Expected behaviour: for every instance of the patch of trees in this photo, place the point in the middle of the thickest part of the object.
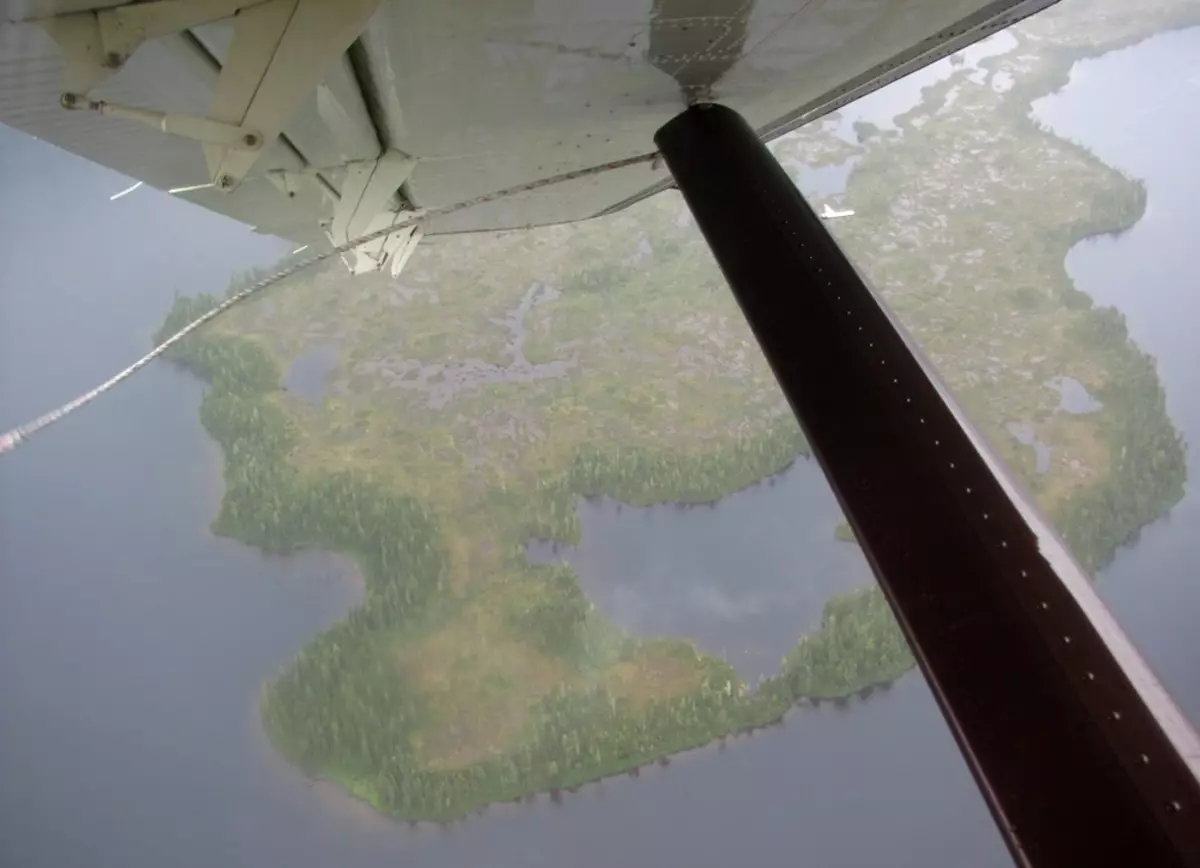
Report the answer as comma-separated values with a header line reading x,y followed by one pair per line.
x,y
1027,297
1115,209
343,709
553,620
1148,460
596,278
641,477
864,131
859,645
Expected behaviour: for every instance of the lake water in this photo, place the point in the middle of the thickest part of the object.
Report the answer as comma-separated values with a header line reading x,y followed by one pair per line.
x,y
1150,273
133,642
743,577
884,106
308,374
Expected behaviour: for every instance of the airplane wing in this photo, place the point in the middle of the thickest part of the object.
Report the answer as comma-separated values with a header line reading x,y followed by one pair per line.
x,y
321,120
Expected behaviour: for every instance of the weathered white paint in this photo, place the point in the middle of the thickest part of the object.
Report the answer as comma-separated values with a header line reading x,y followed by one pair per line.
x,y
481,94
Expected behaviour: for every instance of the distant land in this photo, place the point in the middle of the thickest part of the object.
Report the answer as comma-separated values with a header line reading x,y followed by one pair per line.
x,y
473,400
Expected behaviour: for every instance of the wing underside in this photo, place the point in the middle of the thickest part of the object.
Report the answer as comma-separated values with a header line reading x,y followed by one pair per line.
x,y
320,121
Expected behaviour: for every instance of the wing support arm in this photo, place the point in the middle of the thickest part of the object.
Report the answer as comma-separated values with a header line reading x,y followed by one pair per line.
x,y
1079,752
96,44
200,129
281,50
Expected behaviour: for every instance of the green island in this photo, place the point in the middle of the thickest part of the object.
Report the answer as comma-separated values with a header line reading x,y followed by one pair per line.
x,y
501,378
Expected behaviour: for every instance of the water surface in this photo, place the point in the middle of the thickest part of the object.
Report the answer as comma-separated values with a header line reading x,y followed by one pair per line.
x,y
884,106
743,577
308,374
133,643
1151,273
1025,434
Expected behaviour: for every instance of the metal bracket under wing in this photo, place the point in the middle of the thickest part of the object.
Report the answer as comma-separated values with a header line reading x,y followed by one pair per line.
x,y
200,129
280,51
392,251
96,44
370,202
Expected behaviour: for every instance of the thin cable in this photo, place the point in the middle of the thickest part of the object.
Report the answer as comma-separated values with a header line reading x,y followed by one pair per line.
x,y
11,439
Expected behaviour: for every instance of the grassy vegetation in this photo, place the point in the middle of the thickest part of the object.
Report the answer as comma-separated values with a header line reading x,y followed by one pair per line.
x,y
404,700
969,249
501,378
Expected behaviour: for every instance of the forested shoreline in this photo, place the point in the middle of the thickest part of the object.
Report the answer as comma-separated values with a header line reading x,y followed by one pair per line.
x,y
343,711
1148,471
337,711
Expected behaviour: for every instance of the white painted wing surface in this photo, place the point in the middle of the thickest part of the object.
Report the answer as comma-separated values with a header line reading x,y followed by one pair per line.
x,y
435,101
